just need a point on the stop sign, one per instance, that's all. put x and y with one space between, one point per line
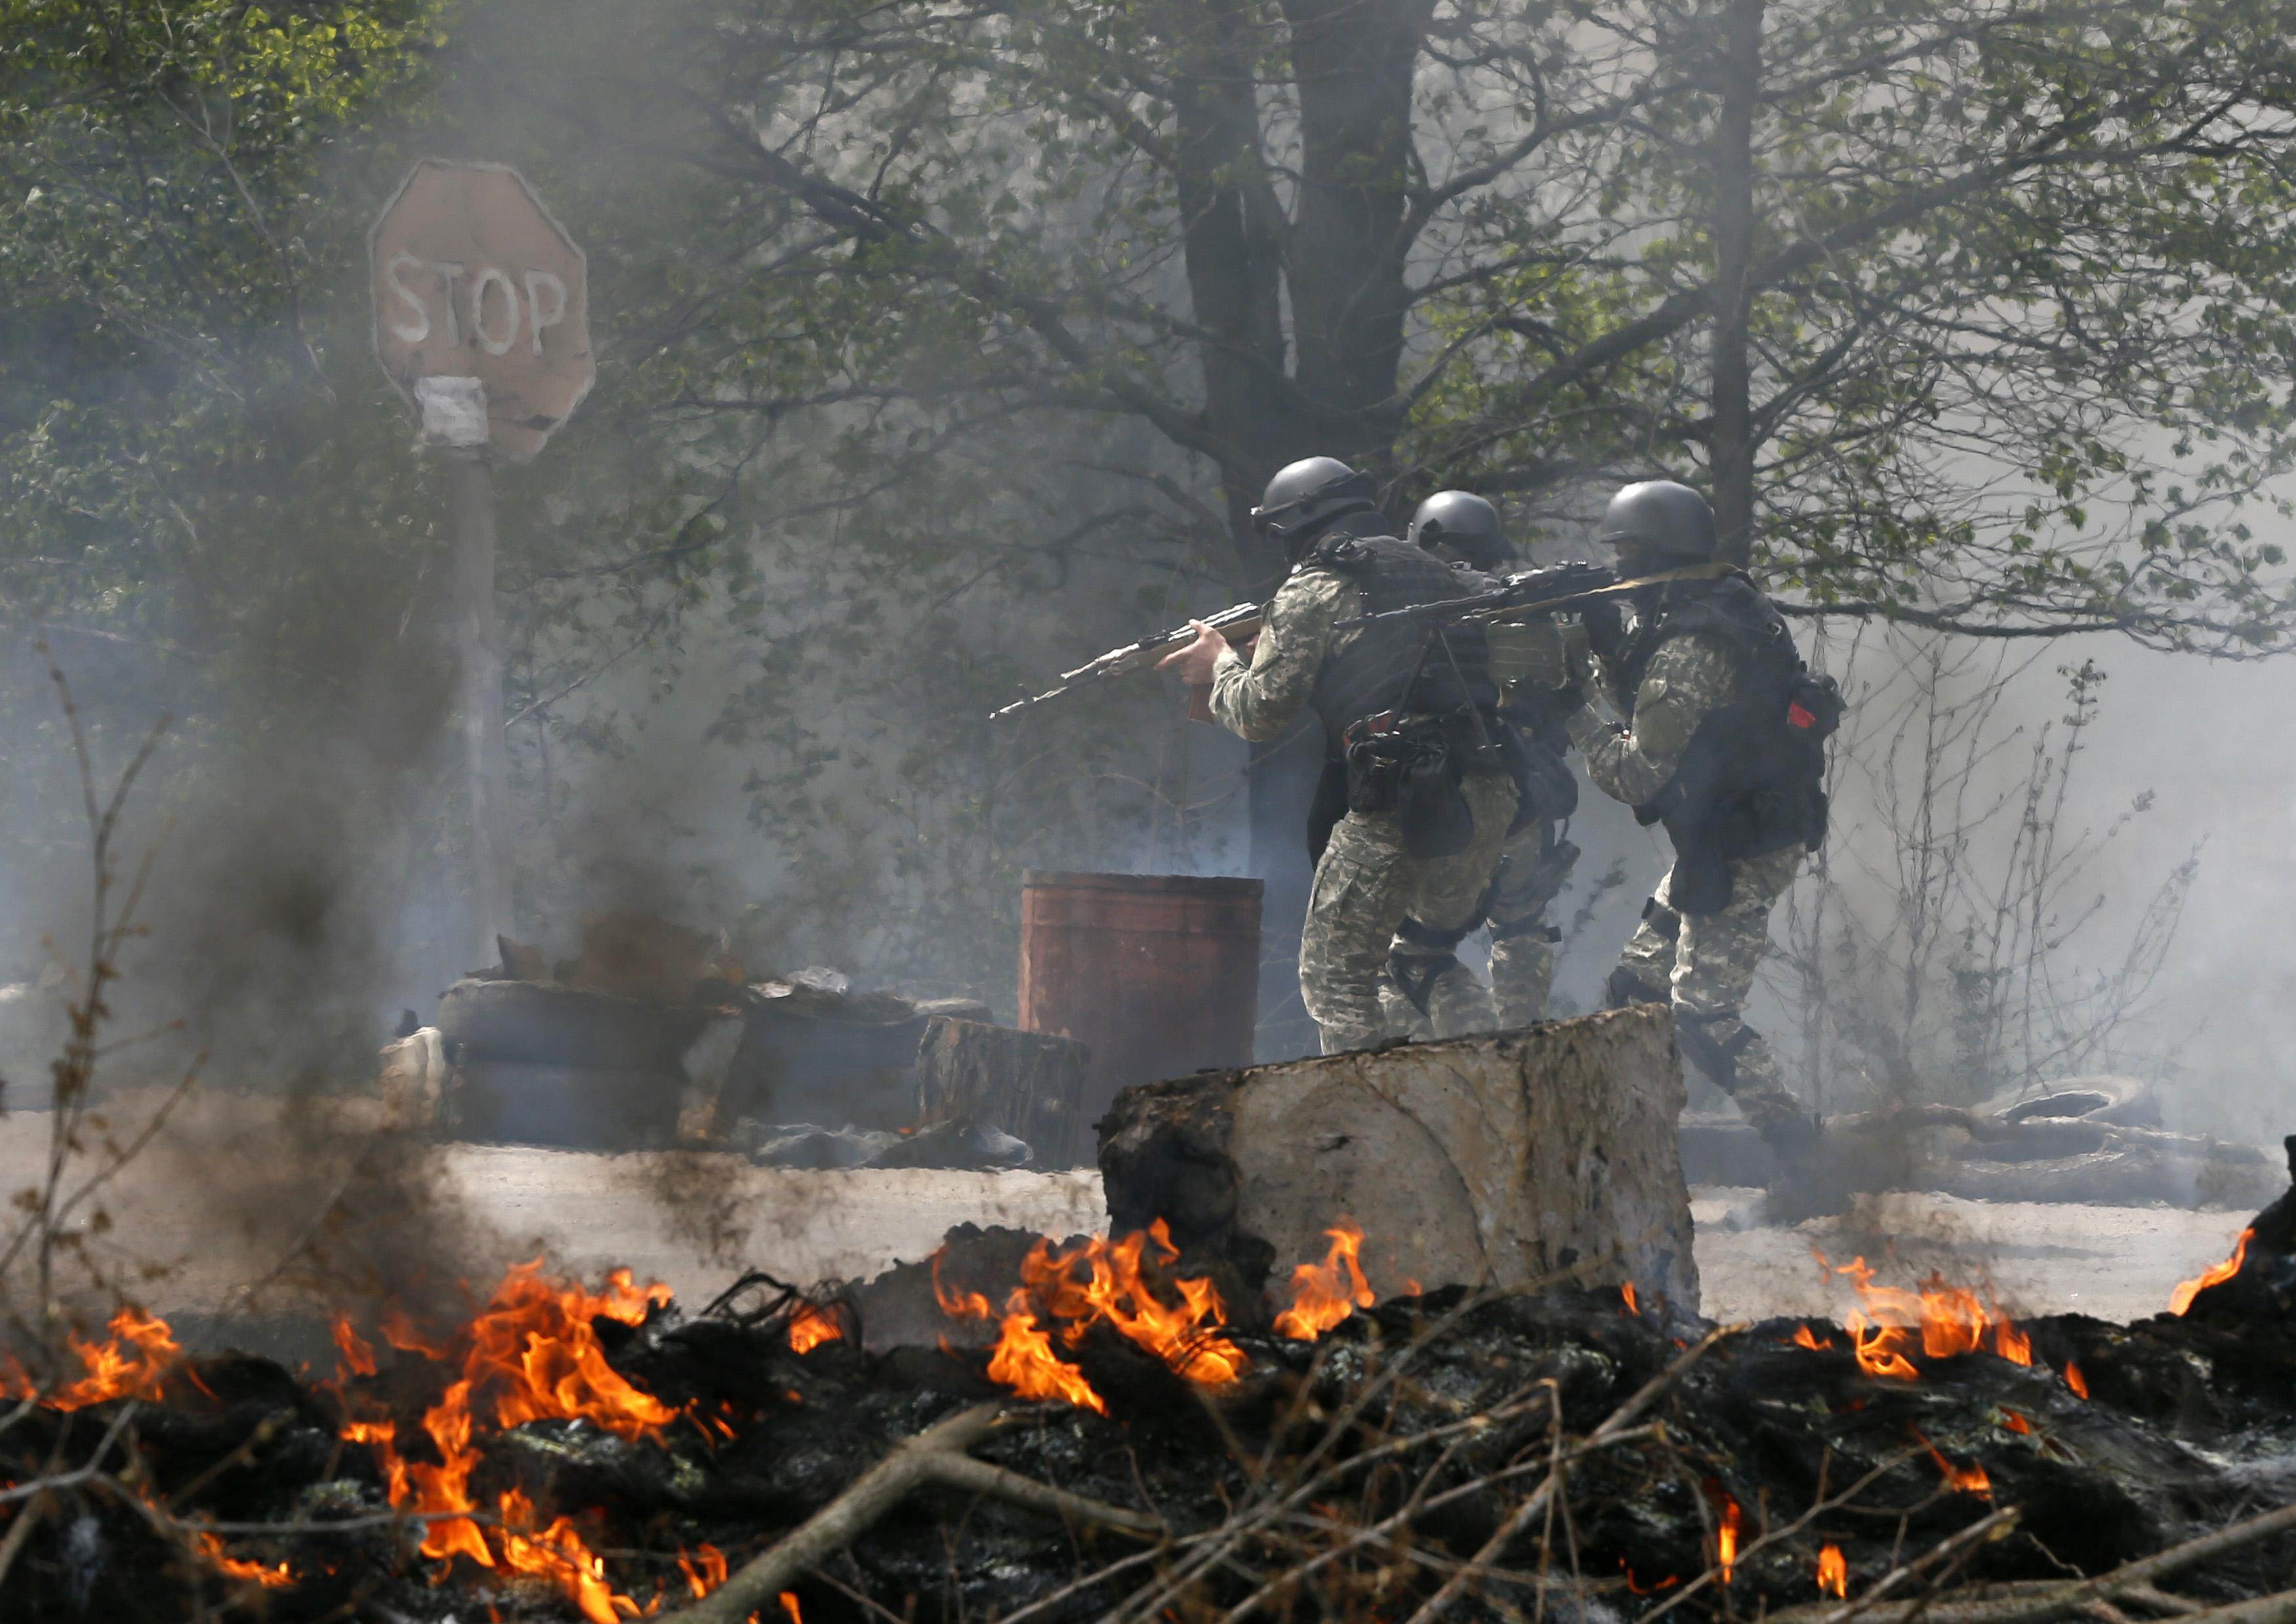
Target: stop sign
473 279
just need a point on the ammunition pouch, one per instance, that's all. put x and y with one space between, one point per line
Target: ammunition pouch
1544 790
1411 765
1749 783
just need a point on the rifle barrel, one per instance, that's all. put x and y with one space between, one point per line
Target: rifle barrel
1238 620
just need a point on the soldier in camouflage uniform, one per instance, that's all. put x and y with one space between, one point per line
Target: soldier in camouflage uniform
1528 662
1713 695
1418 795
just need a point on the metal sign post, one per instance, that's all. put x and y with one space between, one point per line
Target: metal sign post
481 318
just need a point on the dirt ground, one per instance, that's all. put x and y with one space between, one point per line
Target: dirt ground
223 1203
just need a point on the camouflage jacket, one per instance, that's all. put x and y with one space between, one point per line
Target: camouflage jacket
1688 677
1259 701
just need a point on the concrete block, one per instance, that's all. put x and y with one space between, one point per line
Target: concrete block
1501 1160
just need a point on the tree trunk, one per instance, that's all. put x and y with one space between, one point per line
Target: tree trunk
1233 235
1352 62
1732 446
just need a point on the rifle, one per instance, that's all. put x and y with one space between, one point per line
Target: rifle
1238 624
1539 592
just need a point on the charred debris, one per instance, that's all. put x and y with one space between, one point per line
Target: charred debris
652 1035
1094 1432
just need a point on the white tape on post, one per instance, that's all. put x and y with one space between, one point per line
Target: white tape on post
454 412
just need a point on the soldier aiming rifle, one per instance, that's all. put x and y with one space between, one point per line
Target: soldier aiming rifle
1722 741
1420 772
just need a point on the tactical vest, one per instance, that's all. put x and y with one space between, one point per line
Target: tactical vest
1750 780
1411 671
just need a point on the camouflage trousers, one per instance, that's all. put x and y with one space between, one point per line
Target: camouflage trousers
1533 867
1365 887
1532 872
1704 965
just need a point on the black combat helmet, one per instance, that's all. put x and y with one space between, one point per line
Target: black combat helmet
1306 496
1662 517
1460 526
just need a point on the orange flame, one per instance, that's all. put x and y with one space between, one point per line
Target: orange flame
558 1555
2016 1423
1068 1289
1324 1293
1117 1288
704 1570
1803 1337
1024 1359
1969 1479
383 1437
1833 1572
1626 1293
788 1599
809 1328
1940 1320
2075 1379
357 1354
1726 1539
536 1346
2181 1299
399 1331
1025 1362
270 1578
133 1364
531 1354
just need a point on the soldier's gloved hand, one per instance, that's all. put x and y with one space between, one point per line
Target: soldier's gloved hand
1606 627
1577 671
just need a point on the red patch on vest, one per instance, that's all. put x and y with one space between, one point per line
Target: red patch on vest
1796 716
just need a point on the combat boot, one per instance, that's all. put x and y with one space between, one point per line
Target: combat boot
1738 1062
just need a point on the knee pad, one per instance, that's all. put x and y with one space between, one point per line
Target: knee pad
1624 989
1515 930
1717 1057
1662 919
1414 974
1428 939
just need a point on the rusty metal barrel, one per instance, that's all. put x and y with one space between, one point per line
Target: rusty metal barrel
1158 974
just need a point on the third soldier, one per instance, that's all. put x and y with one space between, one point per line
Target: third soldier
1723 742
